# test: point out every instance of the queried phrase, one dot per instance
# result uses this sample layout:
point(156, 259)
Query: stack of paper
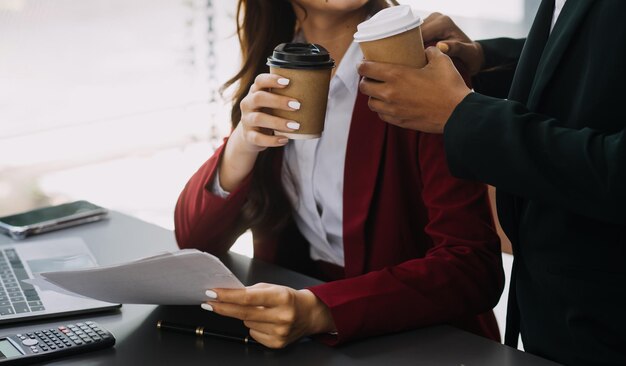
point(179, 278)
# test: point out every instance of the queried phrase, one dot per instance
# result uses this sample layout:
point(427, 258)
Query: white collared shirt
point(314, 183)
point(558, 6)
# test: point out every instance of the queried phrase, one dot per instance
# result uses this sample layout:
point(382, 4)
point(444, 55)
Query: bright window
point(505, 11)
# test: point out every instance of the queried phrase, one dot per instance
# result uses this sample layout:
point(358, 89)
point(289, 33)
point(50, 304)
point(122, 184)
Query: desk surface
point(123, 238)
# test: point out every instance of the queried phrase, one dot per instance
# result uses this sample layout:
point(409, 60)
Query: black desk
point(123, 238)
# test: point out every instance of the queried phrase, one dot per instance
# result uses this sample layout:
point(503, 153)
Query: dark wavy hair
point(261, 26)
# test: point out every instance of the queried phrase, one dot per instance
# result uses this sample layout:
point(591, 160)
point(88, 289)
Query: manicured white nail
point(283, 81)
point(294, 104)
point(293, 125)
point(211, 294)
point(207, 307)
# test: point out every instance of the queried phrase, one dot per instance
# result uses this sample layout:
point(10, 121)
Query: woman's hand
point(276, 315)
point(257, 127)
point(255, 132)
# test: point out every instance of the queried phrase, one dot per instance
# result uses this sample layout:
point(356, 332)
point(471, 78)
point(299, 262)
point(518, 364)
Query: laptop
point(21, 301)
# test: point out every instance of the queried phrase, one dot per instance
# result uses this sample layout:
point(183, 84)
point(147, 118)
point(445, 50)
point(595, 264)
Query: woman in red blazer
point(418, 246)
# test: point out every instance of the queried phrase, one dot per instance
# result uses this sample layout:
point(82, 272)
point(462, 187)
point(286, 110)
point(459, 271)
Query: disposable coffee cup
point(393, 35)
point(308, 67)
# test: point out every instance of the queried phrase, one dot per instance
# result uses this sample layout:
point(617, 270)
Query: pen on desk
point(201, 332)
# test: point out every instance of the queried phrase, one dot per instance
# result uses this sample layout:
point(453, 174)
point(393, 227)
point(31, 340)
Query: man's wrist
point(481, 57)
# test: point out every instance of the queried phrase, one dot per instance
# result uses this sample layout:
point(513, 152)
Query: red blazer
point(420, 245)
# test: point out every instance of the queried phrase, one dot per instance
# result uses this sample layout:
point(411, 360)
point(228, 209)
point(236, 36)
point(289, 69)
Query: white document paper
point(179, 278)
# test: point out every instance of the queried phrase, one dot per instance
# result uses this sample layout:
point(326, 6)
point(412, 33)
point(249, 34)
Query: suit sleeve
point(501, 58)
point(460, 276)
point(204, 220)
point(501, 143)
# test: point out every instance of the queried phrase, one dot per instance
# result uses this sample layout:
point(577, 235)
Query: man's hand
point(276, 315)
point(417, 99)
point(453, 42)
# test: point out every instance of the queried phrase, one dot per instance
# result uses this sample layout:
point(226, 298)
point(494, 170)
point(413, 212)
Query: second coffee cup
point(308, 67)
point(393, 35)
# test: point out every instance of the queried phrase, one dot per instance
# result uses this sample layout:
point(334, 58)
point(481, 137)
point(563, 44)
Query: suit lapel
point(531, 54)
point(571, 16)
point(363, 156)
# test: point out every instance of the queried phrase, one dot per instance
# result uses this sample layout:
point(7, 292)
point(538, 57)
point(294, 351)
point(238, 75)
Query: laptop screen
point(20, 300)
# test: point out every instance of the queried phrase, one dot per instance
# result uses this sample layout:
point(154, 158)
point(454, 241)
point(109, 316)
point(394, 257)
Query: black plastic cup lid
point(304, 56)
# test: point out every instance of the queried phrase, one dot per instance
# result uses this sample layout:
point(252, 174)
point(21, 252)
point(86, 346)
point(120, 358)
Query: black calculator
point(50, 343)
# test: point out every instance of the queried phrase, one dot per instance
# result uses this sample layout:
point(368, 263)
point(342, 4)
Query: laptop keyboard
point(16, 296)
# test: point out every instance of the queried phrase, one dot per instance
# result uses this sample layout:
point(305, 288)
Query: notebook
point(21, 301)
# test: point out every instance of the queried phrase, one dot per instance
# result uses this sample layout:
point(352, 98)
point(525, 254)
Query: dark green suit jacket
point(556, 152)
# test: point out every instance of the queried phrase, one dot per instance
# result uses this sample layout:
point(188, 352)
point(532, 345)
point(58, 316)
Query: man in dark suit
point(556, 152)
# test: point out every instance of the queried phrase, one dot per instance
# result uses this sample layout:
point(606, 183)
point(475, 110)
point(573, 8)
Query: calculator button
point(30, 342)
point(35, 350)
